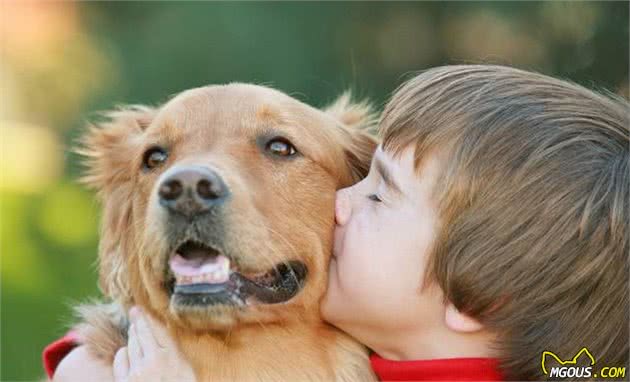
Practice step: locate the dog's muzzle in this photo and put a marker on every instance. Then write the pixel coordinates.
(199, 270)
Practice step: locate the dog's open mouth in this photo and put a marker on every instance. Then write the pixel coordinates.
(202, 275)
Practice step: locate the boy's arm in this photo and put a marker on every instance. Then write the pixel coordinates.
(67, 360)
(55, 352)
(79, 365)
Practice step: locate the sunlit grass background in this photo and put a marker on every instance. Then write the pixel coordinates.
(62, 61)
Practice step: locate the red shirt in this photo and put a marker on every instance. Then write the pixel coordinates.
(54, 353)
(451, 369)
(454, 369)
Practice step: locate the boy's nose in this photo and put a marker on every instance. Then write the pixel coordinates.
(343, 206)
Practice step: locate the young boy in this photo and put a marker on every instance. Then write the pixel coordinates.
(492, 228)
(493, 223)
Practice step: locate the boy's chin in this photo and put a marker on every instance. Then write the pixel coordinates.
(338, 316)
(331, 308)
(335, 310)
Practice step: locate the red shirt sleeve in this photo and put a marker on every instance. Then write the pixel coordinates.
(56, 351)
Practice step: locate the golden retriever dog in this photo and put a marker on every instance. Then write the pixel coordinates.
(218, 221)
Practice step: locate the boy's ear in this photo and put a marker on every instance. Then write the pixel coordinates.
(460, 322)
(109, 149)
(358, 122)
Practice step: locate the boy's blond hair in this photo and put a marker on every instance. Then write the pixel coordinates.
(534, 207)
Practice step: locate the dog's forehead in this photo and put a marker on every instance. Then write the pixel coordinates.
(237, 104)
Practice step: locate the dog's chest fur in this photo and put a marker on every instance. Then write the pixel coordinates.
(278, 354)
(293, 352)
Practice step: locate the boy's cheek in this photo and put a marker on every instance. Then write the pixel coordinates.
(359, 233)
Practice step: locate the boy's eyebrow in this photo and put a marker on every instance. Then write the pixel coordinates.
(387, 176)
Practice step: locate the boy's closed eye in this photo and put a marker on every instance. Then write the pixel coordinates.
(374, 198)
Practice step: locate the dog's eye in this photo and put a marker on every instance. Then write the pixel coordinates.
(281, 146)
(154, 157)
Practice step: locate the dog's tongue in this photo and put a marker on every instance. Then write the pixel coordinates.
(198, 266)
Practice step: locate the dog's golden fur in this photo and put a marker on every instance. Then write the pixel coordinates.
(279, 211)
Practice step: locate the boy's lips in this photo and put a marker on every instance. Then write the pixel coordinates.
(338, 242)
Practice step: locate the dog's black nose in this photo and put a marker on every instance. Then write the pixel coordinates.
(191, 190)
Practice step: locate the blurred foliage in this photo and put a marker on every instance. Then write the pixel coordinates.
(63, 61)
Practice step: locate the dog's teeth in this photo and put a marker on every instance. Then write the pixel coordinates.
(212, 273)
(182, 279)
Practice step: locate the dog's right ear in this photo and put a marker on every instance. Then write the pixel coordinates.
(109, 149)
(358, 121)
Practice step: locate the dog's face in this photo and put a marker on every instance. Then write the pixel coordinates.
(219, 205)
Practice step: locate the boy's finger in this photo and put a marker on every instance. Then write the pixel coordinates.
(160, 333)
(134, 349)
(145, 335)
(121, 365)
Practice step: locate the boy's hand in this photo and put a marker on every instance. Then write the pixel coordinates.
(150, 354)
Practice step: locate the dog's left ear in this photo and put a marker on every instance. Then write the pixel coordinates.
(109, 148)
(358, 121)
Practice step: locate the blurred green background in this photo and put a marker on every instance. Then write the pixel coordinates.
(62, 61)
